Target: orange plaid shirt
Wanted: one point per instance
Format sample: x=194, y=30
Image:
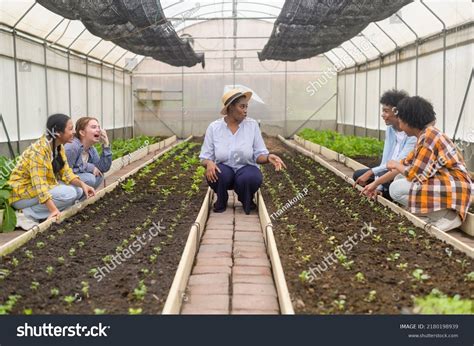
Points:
x=439, y=175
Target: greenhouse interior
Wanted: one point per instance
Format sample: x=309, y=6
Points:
x=236, y=157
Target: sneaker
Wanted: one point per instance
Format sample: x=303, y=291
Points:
x=25, y=222
x=449, y=221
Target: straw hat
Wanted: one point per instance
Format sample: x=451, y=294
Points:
x=231, y=95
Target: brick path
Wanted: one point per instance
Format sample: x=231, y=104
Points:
x=232, y=273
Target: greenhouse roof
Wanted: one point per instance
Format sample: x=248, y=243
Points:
x=416, y=20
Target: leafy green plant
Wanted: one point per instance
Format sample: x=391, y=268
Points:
x=27, y=311
x=129, y=185
x=419, y=275
x=40, y=245
x=371, y=297
x=437, y=303
x=34, y=285
x=98, y=311
x=8, y=216
x=393, y=257
x=54, y=292
x=132, y=311
x=360, y=277
x=304, y=276
x=469, y=277
x=60, y=260
x=69, y=300
x=140, y=291
x=72, y=252
x=340, y=303
x=49, y=270
x=85, y=288
x=351, y=146
x=29, y=254
x=9, y=304
x=15, y=262
x=402, y=266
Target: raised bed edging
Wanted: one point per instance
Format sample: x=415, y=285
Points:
x=286, y=307
x=430, y=229
x=178, y=287
x=124, y=161
x=17, y=242
x=468, y=224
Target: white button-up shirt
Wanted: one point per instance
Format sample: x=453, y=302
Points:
x=234, y=150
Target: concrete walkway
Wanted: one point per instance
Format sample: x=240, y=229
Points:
x=232, y=273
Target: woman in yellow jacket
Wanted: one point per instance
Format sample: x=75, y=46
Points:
x=42, y=182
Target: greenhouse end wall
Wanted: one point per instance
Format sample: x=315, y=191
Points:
x=185, y=100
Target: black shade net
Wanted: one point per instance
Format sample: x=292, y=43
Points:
x=306, y=28
x=138, y=26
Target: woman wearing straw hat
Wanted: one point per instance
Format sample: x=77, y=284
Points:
x=233, y=147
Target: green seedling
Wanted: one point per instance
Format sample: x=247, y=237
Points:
x=54, y=292
x=49, y=270
x=304, y=276
x=419, y=275
x=140, y=292
x=371, y=297
x=393, y=257
x=69, y=300
x=360, y=277
x=34, y=285
x=132, y=311
x=129, y=185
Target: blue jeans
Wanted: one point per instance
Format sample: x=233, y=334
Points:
x=63, y=197
x=90, y=179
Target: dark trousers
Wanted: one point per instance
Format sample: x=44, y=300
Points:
x=245, y=182
x=385, y=187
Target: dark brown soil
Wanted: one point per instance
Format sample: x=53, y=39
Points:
x=97, y=232
x=368, y=161
x=332, y=211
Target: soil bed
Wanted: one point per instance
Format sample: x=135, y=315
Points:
x=60, y=264
x=386, y=259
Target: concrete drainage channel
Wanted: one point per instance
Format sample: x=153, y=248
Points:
x=117, y=164
x=330, y=159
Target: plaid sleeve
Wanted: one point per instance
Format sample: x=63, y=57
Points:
x=39, y=178
x=66, y=173
x=419, y=164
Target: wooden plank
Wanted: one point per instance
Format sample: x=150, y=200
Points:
x=178, y=287
x=286, y=307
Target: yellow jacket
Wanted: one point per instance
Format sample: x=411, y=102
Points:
x=33, y=175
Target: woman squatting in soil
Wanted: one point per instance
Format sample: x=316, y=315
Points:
x=232, y=149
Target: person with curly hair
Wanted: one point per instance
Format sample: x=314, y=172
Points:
x=377, y=180
x=433, y=180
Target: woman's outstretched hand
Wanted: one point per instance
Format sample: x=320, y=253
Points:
x=276, y=162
